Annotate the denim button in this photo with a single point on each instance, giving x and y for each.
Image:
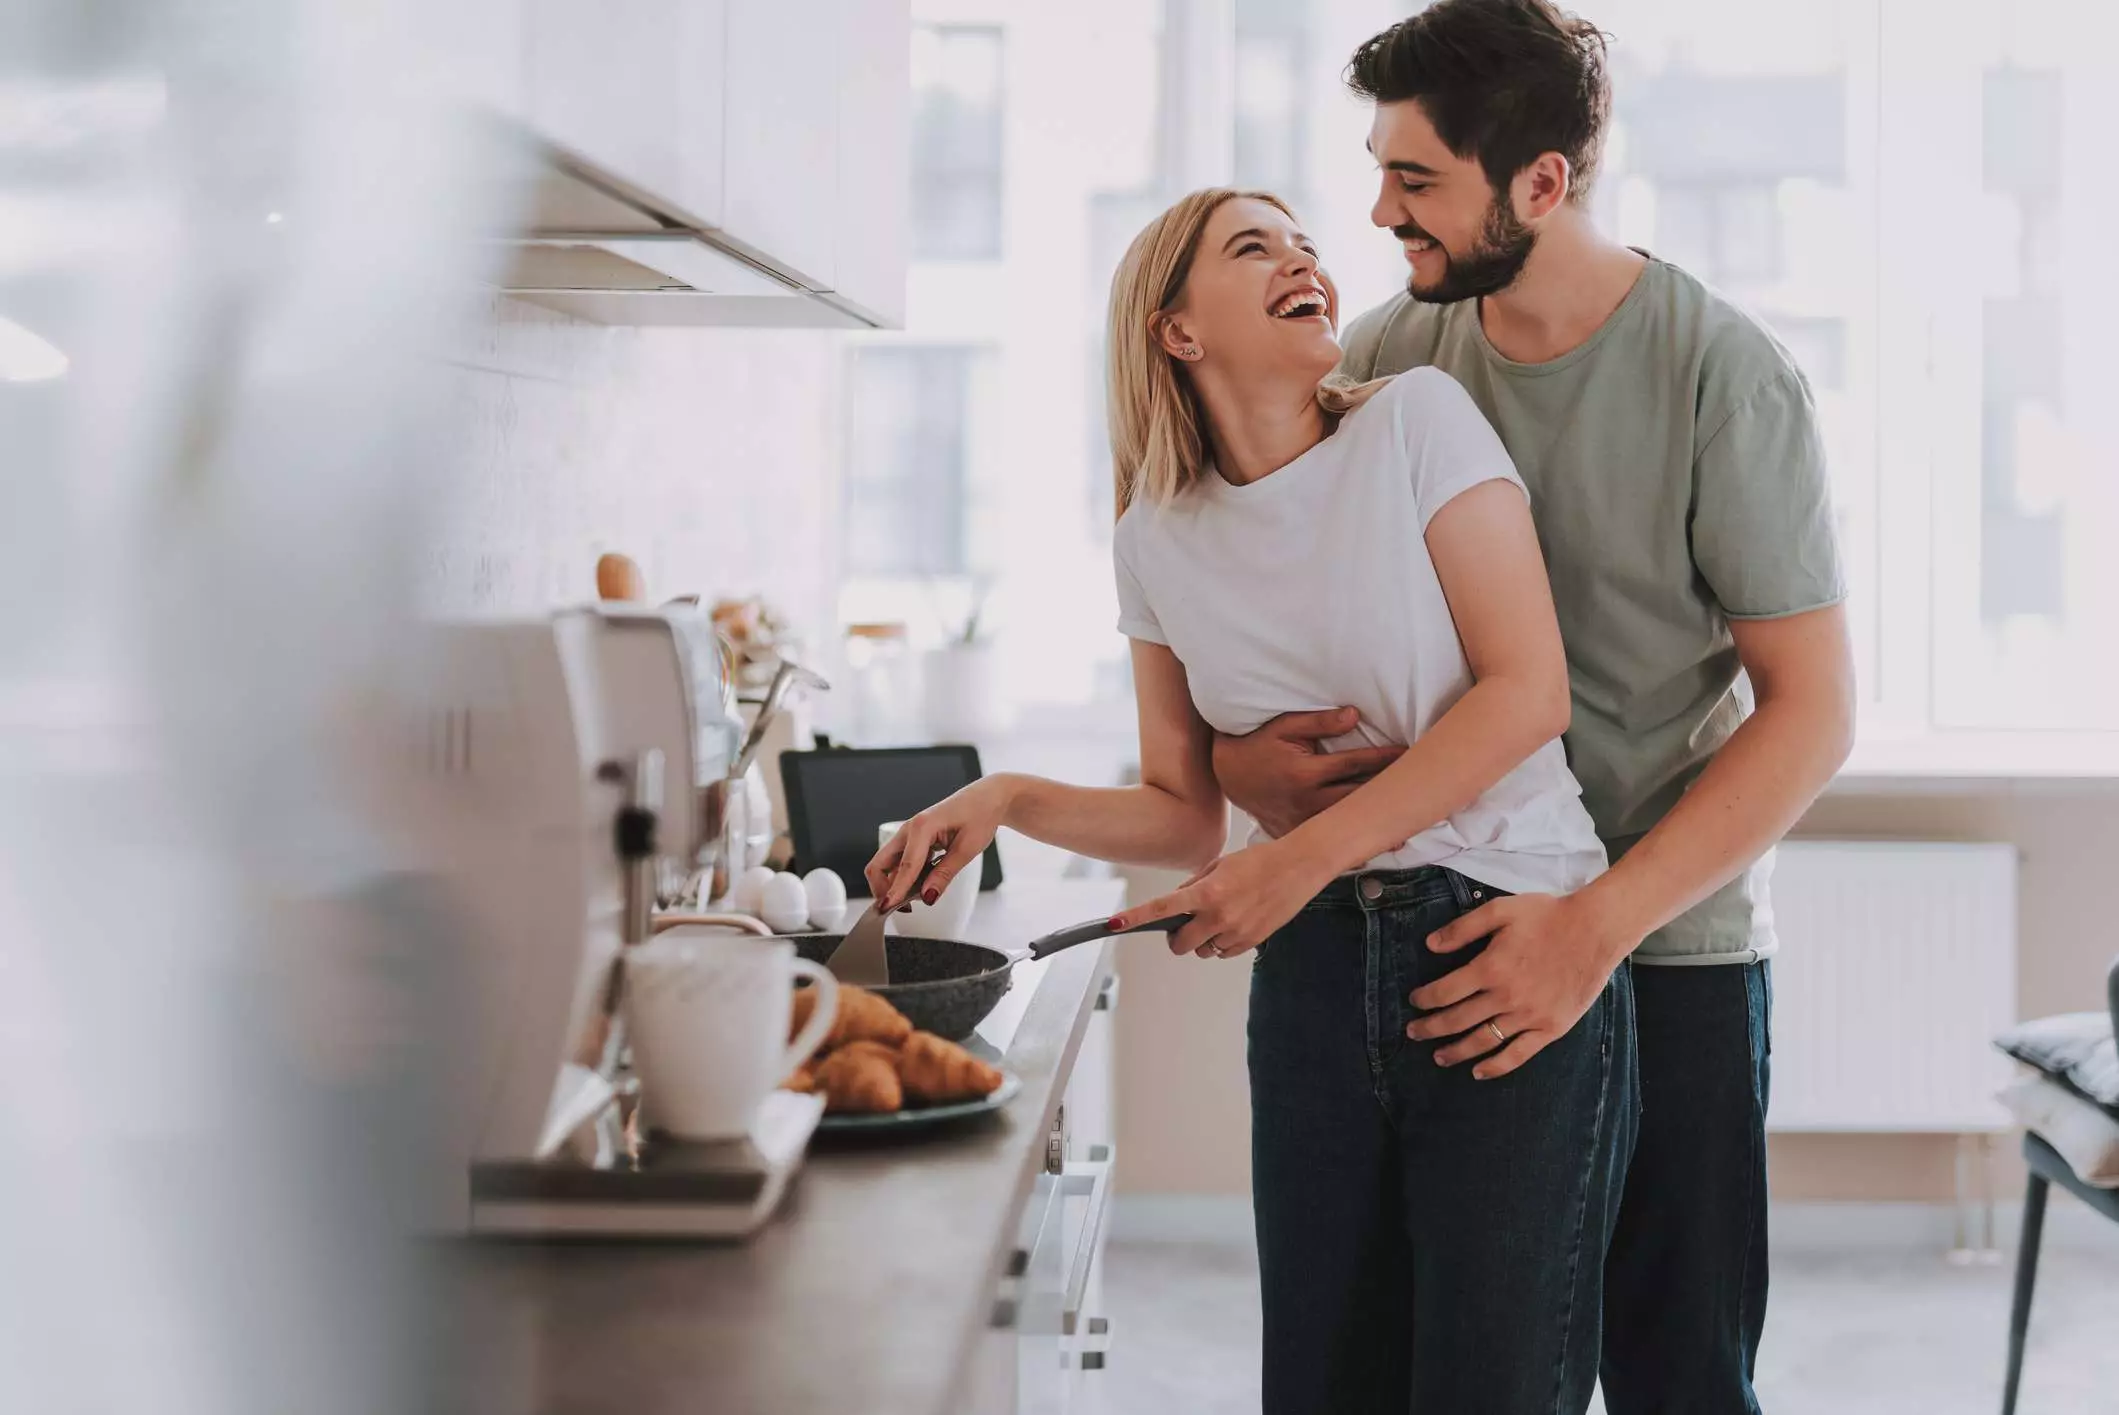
(1372, 889)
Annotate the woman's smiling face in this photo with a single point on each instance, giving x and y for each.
(1256, 301)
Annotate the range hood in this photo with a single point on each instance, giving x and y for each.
(590, 245)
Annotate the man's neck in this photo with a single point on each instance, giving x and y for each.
(1575, 278)
(1255, 430)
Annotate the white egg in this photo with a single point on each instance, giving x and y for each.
(784, 904)
(749, 892)
(827, 898)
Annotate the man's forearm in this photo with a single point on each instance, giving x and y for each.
(1751, 794)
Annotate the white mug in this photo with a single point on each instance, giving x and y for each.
(948, 916)
(707, 1015)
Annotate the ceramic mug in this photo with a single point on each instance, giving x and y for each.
(707, 1014)
(948, 916)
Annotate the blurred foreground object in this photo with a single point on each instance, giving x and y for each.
(233, 238)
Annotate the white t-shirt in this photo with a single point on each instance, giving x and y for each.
(1312, 588)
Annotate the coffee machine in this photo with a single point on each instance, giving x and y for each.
(575, 765)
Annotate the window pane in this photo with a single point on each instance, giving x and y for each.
(1272, 38)
(956, 142)
(2028, 497)
(1743, 149)
(906, 459)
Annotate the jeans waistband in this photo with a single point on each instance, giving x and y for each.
(1398, 889)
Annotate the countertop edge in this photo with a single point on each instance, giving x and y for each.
(1057, 1014)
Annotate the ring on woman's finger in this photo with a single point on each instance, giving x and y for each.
(1500, 1037)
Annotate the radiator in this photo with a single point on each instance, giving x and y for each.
(1897, 966)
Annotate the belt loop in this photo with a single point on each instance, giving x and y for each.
(1459, 888)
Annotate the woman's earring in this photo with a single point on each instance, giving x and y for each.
(1191, 351)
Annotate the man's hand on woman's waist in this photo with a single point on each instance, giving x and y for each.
(1281, 775)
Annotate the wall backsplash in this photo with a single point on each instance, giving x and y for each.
(709, 455)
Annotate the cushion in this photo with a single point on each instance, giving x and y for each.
(2075, 1049)
(2081, 1133)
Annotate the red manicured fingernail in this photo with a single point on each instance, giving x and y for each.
(1117, 923)
(932, 895)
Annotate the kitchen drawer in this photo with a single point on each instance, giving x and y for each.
(1049, 1327)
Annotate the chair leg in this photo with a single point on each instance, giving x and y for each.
(2026, 1276)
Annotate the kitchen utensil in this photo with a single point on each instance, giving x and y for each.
(947, 986)
(862, 958)
(786, 677)
(618, 577)
(925, 1116)
(709, 1016)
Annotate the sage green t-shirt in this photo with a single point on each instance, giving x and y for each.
(1678, 482)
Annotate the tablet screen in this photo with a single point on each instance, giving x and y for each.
(837, 797)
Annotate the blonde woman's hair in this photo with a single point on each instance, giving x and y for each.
(1158, 427)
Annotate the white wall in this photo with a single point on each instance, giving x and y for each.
(708, 455)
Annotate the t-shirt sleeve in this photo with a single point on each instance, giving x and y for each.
(1135, 619)
(1451, 445)
(1762, 532)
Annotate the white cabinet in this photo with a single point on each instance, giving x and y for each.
(875, 146)
(775, 130)
(632, 87)
(783, 134)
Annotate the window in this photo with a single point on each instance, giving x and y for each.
(1897, 200)
(906, 457)
(1911, 207)
(956, 142)
(2024, 478)
(1272, 41)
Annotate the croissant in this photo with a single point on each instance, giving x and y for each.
(860, 1078)
(862, 1017)
(936, 1071)
(802, 1080)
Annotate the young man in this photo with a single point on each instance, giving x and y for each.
(1672, 455)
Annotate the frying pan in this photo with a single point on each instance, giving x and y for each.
(947, 986)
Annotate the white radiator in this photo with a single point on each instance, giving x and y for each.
(1897, 966)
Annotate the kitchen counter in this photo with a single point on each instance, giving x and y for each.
(868, 1292)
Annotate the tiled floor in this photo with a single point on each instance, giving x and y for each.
(1863, 1333)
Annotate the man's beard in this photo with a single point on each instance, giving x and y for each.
(1489, 268)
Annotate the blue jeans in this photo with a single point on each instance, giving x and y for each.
(1685, 1283)
(1425, 1240)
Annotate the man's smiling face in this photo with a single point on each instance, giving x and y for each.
(1462, 239)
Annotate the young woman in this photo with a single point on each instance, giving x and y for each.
(1424, 1235)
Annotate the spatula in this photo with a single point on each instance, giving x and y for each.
(862, 958)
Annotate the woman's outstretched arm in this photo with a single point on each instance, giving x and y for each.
(1175, 816)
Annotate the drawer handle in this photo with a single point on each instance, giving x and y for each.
(1093, 1178)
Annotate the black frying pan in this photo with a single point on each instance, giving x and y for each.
(947, 986)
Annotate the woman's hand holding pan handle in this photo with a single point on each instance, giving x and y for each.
(1237, 902)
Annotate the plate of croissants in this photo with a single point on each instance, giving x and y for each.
(877, 1072)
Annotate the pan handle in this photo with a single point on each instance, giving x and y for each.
(1101, 928)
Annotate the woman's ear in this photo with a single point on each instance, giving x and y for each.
(1175, 342)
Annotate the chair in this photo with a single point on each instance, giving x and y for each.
(2047, 1169)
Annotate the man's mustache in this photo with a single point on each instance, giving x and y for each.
(1410, 232)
